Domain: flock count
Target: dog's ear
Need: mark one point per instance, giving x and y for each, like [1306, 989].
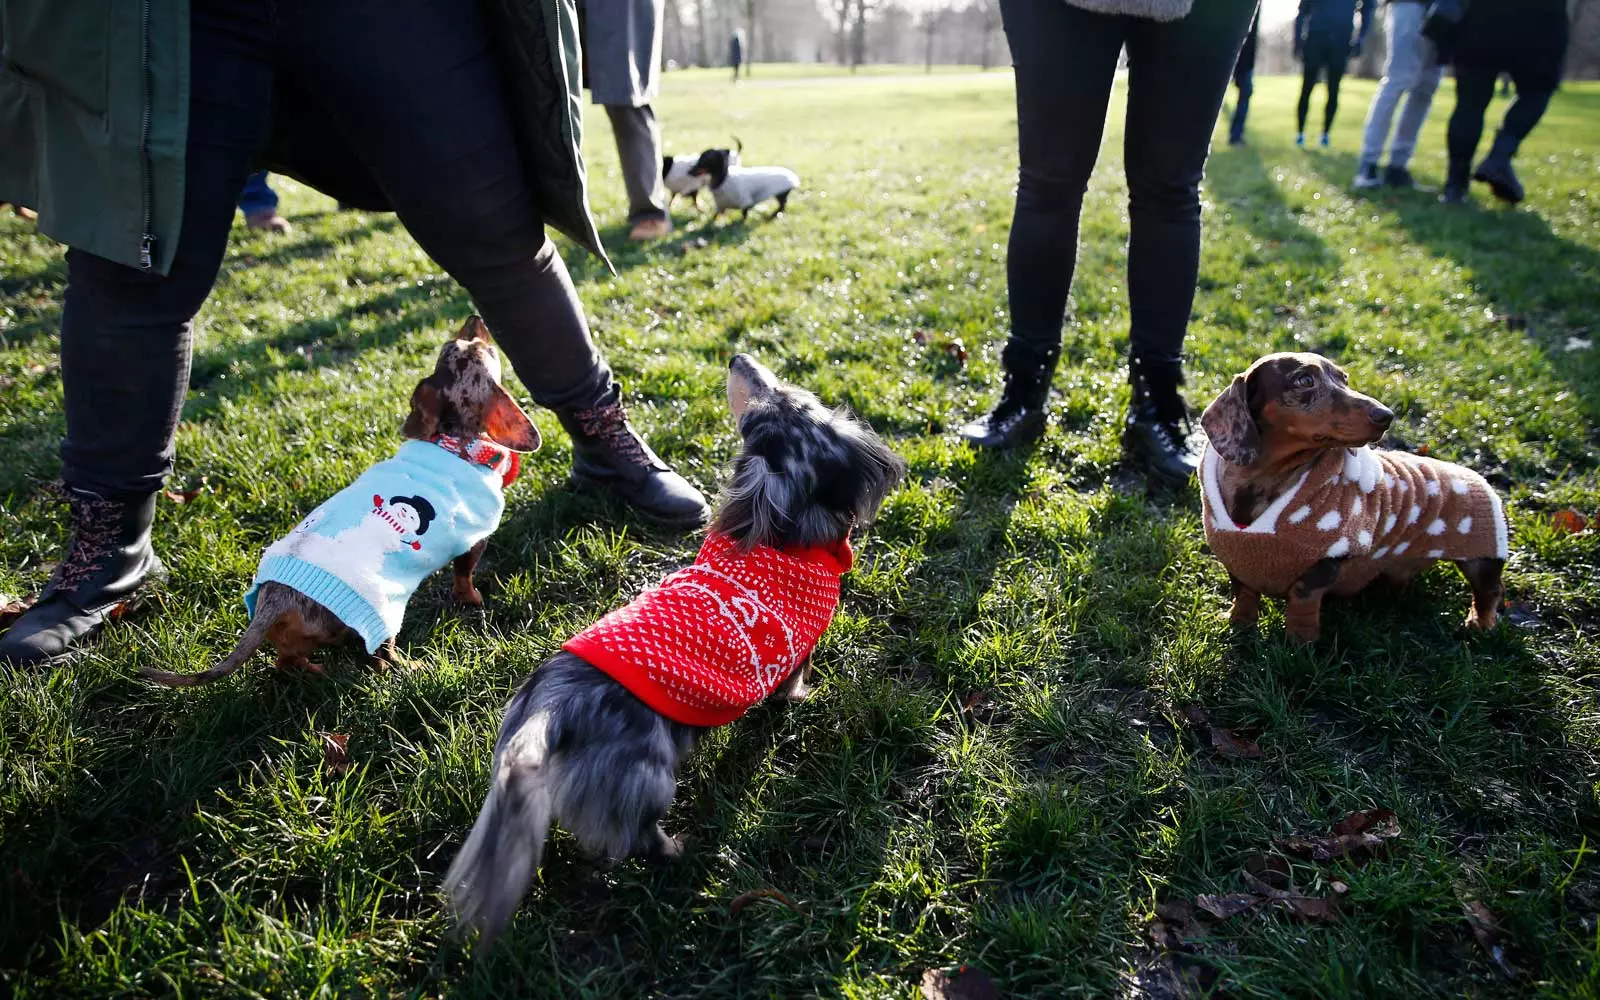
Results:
[423, 420]
[506, 424]
[757, 505]
[1230, 425]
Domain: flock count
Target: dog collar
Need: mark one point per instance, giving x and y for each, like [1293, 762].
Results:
[481, 451]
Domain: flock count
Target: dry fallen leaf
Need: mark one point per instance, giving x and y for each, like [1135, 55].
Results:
[1272, 871]
[745, 899]
[1231, 905]
[1487, 930]
[1232, 746]
[335, 755]
[1361, 832]
[957, 350]
[965, 982]
[184, 496]
[920, 337]
[1312, 908]
[1569, 521]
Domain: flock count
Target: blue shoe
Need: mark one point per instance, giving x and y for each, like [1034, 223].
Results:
[1299, 138]
[1325, 142]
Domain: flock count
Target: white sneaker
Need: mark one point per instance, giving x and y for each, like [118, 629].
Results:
[1367, 177]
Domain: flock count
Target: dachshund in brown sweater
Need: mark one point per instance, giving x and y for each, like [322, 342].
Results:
[1298, 504]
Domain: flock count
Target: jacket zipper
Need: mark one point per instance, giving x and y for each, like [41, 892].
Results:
[147, 241]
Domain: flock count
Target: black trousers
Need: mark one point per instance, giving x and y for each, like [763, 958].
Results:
[1474, 90]
[1322, 56]
[413, 85]
[1066, 60]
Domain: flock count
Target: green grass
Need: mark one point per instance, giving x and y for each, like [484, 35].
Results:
[190, 843]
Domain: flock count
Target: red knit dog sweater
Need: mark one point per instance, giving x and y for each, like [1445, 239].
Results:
[715, 638]
[1383, 512]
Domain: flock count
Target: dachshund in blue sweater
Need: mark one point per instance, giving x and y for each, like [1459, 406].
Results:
[349, 568]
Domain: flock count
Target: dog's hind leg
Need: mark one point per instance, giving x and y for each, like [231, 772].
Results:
[1483, 575]
[783, 202]
[797, 686]
[1304, 613]
[1246, 609]
[461, 586]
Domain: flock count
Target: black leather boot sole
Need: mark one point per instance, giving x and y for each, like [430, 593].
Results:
[1011, 430]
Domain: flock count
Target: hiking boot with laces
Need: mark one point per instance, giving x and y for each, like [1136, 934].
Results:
[1157, 432]
[108, 559]
[1495, 170]
[607, 452]
[1017, 419]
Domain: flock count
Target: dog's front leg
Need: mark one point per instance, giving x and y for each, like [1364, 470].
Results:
[797, 687]
[1304, 613]
[461, 585]
[1246, 604]
[389, 655]
[1483, 575]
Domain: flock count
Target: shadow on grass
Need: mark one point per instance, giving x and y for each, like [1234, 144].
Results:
[1237, 177]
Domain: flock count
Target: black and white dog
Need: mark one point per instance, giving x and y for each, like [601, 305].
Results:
[678, 176]
[743, 188]
[594, 737]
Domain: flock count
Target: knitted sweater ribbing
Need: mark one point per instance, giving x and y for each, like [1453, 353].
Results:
[1154, 10]
[1379, 511]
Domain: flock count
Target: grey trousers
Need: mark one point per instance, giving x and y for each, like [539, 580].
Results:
[1412, 71]
[639, 148]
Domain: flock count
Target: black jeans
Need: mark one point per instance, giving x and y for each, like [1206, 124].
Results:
[1322, 55]
[413, 85]
[1474, 90]
[1066, 60]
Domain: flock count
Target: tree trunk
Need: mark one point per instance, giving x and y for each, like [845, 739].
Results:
[927, 51]
[750, 35]
[700, 31]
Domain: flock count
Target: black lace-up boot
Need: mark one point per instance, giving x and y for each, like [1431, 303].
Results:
[1019, 416]
[1157, 433]
[607, 452]
[1495, 170]
[108, 559]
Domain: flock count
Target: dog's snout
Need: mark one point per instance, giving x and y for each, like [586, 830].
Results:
[1381, 416]
[738, 361]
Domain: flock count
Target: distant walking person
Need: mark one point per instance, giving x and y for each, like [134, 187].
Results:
[1410, 70]
[259, 203]
[1324, 45]
[1244, 75]
[622, 60]
[1065, 56]
[1526, 39]
[736, 53]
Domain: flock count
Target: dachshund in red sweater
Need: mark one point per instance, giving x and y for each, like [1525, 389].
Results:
[594, 737]
[1298, 504]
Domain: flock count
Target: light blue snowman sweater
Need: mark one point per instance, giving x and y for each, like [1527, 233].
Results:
[362, 554]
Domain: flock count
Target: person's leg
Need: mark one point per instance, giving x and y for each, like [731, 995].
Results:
[259, 203]
[1244, 79]
[1338, 59]
[1474, 91]
[1425, 84]
[125, 345]
[1401, 68]
[1177, 76]
[1310, 73]
[1524, 113]
[1065, 62]
[415, 87]
[639, 150]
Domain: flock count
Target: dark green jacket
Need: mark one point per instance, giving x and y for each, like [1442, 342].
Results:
[94, 112]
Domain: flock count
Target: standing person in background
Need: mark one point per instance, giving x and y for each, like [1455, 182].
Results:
[736, 53]
[259, 203]
[622, 61]
[1065, 54]
[1244, 74]
[1324, 45]
[1410, 69]
[462, 119]
[1526, 39]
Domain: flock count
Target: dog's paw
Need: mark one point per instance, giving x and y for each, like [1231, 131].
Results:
[466, 595]
[799, 691]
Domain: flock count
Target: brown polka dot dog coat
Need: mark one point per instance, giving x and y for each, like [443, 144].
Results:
[1382, 512]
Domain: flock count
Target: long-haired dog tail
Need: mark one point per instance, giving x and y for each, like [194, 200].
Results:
[253, 639]
[497, 863]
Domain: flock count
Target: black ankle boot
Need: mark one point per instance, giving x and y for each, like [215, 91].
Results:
[1495, 170]
[607, 452]
[1019, 416]
[1157, 432]
[108, 559]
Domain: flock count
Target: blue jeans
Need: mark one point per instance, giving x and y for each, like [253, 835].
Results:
[257, 198]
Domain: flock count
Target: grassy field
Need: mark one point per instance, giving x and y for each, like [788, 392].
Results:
[996, 769]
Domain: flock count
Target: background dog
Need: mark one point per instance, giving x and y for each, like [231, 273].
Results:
[678, 176]
[743, 188]
[579, 746]
[1297, 504]
[363, 552]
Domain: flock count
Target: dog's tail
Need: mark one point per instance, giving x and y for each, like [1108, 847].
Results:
[498, 861]
[252, 640]
[738, 144]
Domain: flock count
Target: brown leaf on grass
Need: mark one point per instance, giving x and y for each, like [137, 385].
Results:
[335, 752]
[1271, 871]
[1313, 909]
[1229, 906]
[964, 982]
[1195, 715]
[184, 496]
[1569, 521]
[971, 703]
[919, 336]
[11, 608]
[957, 351]
[743, 900]
[1487, 930]
[1232, 746]
[1367, 832]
